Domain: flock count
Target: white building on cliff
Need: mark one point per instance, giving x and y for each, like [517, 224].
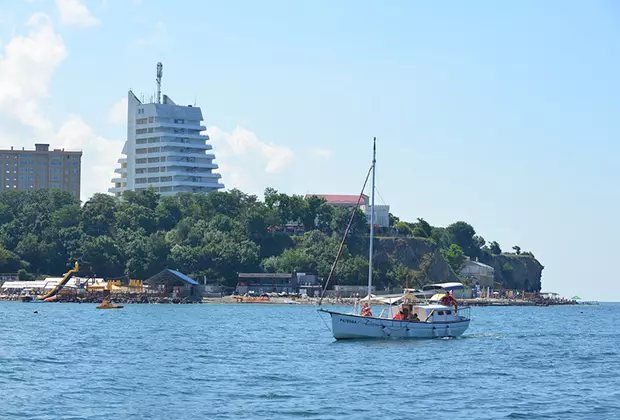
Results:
[165, 149]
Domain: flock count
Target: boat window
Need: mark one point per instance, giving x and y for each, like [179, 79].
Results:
[440, 313]
[448, 312]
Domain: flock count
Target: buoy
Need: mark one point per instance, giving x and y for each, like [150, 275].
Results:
[36, 312]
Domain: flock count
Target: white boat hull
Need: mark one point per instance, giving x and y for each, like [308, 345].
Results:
[349, 326]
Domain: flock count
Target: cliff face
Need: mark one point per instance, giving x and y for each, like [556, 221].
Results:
[423, 256]
[525, 274]
[416, 254]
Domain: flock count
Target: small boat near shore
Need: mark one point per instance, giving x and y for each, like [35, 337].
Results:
[109, 305]
[406, 317]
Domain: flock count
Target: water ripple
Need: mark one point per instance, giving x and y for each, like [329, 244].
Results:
[279, 362]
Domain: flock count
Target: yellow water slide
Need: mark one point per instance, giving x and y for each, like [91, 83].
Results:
[61, 284]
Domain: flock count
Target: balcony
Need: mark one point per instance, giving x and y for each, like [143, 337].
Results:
[184, 145]
[159, 124]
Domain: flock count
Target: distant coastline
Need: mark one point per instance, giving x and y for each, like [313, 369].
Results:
[216, 236]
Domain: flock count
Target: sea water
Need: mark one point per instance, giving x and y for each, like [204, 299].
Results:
[70, 361]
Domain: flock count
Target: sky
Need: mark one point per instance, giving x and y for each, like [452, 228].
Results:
[501, 114]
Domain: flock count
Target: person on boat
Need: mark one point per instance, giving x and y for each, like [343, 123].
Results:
[366, 310]
[449, 300]
[413, 317]
[399, 316]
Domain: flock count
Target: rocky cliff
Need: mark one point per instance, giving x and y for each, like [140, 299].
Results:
[521, 272]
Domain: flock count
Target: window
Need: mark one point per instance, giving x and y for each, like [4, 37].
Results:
[179, 121]
[141, 121]
[141, 141]
[151, 119]
[150, 130]
[440, 313]
[154, 179]
[140, 171]
[154, 160]
[448, 312]
[153, 170]
[153, 149]
[141, 131]
[165, 179]
[140, 161]
[165, 189]
[141, 151]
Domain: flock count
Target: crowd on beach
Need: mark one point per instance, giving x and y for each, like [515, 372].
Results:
[98, 297]
[136, 298]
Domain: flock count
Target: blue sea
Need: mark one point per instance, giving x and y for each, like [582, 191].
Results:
[71, 361]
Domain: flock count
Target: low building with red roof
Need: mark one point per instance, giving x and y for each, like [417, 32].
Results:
[342, 200]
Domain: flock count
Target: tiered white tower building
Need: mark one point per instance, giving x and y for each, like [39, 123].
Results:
[164, 149]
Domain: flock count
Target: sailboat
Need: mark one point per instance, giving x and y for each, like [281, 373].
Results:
[405, 317]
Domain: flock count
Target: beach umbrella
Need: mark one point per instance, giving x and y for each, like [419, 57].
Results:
[576, 298]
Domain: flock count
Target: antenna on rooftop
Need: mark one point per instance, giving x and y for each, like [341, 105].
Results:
[160, 73]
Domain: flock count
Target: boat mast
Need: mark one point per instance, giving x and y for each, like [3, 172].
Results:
[372, 215]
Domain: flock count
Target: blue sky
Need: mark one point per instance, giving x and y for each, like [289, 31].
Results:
[504, 115]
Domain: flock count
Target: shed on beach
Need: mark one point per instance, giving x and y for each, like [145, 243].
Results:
[266, 283]
[172, 283]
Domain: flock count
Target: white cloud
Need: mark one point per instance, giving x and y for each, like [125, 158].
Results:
[99, 157]
[321, 153]
[74, 13]
[26, 67]
[118, 112]
[27, 64]
[247, 162]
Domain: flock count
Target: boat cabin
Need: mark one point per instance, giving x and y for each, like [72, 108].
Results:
[424, 313]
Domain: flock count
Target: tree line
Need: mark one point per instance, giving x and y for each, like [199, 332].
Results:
[218, 235]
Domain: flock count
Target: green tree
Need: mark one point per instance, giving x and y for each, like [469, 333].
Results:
[168, 213]
[316, 213]
[104, 256]
[403, 228]
[9, 261]
[341, 219]
[455, 257]
[98, 215]
[463, 235]
[495, 248]
[400, 275]
[422, 229]
[517, 249]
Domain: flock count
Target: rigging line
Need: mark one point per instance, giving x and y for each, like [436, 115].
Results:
[346, 232]
[324, 322]
[380, 196]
